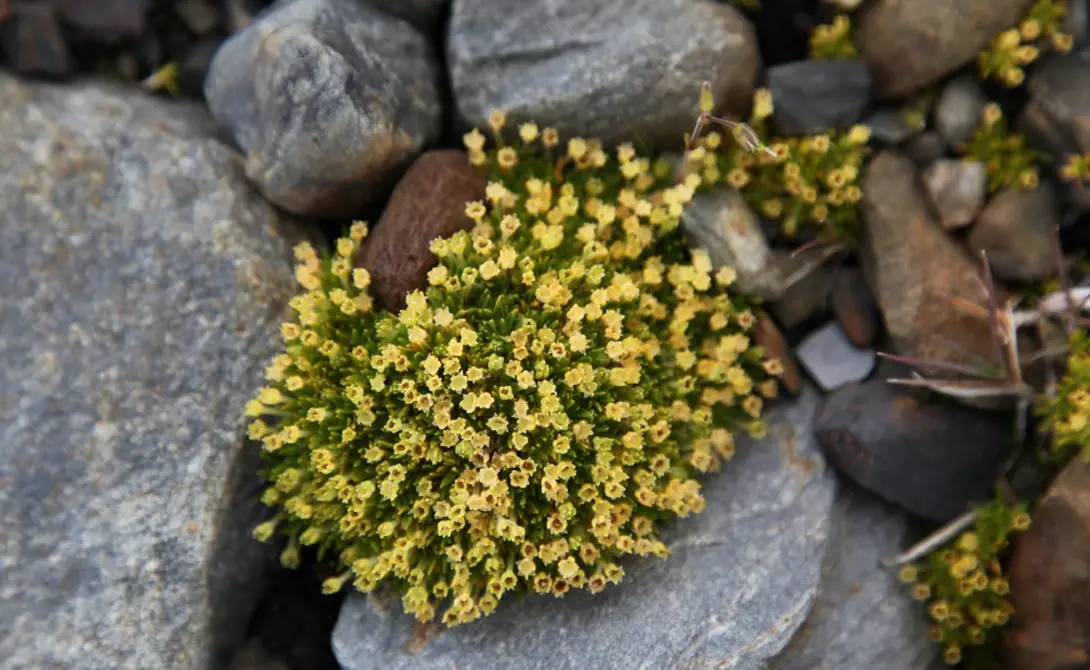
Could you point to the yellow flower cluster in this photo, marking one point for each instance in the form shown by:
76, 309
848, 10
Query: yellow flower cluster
1067, 412
833, 41
534, 414
1012, 50
811, 180
1077, 168
964, 583
1008, 162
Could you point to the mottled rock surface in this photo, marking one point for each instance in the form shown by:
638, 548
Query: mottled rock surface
912, 43
429, 202
143, 282
740, 582
611, 69
863, 617
1050, 579
931, 458
329, 100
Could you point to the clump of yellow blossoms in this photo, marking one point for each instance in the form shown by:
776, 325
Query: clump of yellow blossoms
833, 41
812, 180
536, 413
1008, 162
1067, 413
1076, 168
1013, 49
965, 586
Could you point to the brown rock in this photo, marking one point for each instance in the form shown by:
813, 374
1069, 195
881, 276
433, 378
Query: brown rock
104, 21
911, 263
1050, 580
768, 336
1017, 231
429, 202
912, 43
854, 307
32, 41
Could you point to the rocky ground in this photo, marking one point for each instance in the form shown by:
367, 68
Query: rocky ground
159, 158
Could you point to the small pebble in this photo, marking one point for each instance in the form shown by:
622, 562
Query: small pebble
831, 358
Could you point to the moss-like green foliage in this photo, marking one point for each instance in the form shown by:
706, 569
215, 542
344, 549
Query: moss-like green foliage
965, 587
833, 41
1008, 162
1067, 412
536, 413
810, 180
1012, 50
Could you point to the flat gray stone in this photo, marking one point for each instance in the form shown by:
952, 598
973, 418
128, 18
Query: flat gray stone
863, 617
143, 281
740, 582
831, 358
329, 100
616, 70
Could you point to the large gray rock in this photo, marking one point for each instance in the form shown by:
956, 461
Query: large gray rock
142, 285
329, 100
740, 582
612, 69
863, 617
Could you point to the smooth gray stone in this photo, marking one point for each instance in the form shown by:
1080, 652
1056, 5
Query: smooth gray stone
831, 358
740, 582
143, 282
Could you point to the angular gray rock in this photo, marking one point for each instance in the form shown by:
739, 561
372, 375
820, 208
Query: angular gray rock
863, 616
740, 582
813, 96
329, 100
616, 70
143, 281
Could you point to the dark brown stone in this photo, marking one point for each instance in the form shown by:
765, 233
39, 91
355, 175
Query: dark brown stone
855, 308
931, 458
769, 337
104, 21
1050, 580
428, 203
32, 41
